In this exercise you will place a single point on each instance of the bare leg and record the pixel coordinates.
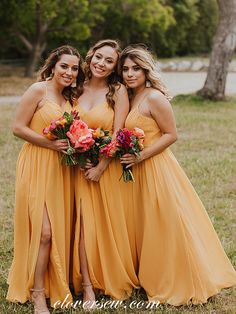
(38, 295)
(88, 293)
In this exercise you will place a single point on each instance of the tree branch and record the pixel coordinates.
(43, 47)
(25, 41)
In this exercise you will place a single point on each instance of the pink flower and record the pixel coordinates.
(46, 131)
(124, 137)
(80, 136)
(110, 149)
(138, 132)
(52, 126)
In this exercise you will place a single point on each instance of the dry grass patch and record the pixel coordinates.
(12, 80)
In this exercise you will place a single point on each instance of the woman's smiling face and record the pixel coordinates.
(133, 75)
(103, 62)
(66, 69)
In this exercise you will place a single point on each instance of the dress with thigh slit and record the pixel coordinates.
(104, 216)
(179, 256)
(41, 180)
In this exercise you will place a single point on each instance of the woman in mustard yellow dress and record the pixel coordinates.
(44, 195)
(179, 256)
(102, 256)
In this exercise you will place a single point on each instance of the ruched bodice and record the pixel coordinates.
(100, 116)
(46, 114)
(148, 124)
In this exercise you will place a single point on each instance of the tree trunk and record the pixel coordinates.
(39, 44)
(34, 58)
(222, 52)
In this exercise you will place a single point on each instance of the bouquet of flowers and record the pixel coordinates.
(84, 143)
(126, 142)
(70, 127)
(101, 138)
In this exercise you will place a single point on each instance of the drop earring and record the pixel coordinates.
(148, 84)
(73, 84)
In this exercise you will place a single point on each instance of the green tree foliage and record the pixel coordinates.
(27, 19)
(174, 40)
(134, 20)
(34, 21)
(200, 36)
(192, 32)
(30, 28)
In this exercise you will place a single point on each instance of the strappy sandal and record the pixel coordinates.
(40, 307)
(88, 305)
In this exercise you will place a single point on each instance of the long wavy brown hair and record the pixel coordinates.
(113, 79)
(143, 57)
(70, 93)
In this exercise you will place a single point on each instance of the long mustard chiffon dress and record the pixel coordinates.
(179, 258)
(41, 180)
(104, 217)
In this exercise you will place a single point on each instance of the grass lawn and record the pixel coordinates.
(206, 149)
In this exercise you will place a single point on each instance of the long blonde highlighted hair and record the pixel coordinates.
(140, 55)
(113, 79)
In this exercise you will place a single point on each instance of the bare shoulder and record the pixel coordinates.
(121, 94)
(38, 88)
(120, 89)
(157, 100)
(35, 92)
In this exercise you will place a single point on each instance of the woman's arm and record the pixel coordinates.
(161, 111)
(121, 110)
(24, 113)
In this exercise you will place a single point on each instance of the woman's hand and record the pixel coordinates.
(94, 173)
(59, 145)
(130, 159)
(88, 165)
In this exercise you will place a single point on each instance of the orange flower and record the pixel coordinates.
(62, 121)
(50, 136)
(98, 133)
(140, 143)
